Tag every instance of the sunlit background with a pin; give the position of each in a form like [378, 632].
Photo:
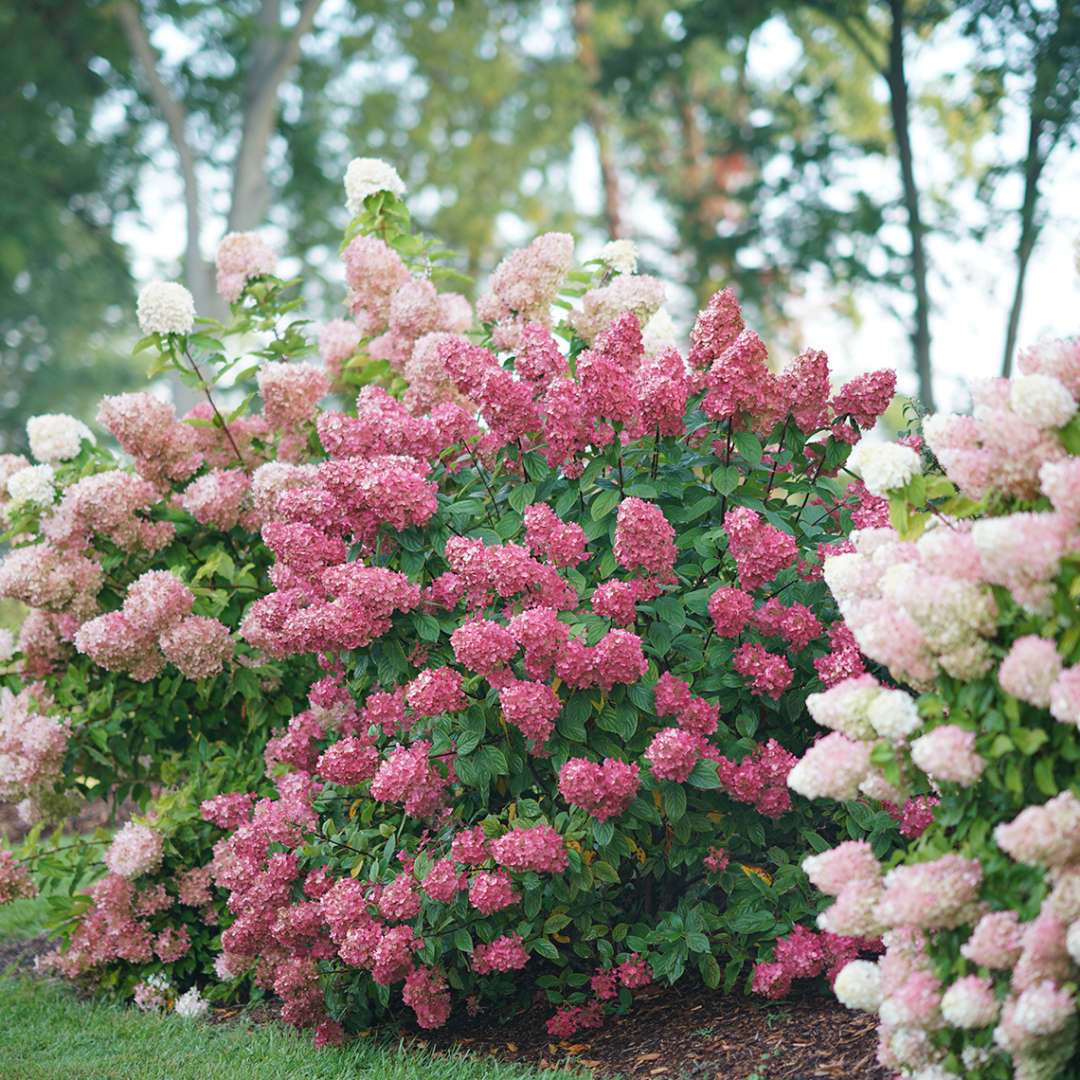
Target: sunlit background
[747, 143]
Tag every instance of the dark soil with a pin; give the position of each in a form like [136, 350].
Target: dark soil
[17, 957]
[697, 1034]
[671, 1033]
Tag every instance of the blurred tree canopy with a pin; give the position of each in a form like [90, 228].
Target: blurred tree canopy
[779, 142]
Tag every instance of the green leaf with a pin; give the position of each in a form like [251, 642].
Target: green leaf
[545, 948]
[604, 871]
[748, 445]
[556, 922]
[674, 801]
[603, 504]
[463, 941]
[704, 775]
[427, 626]
[709, 970]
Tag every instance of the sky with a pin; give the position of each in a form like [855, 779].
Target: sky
[973, 279]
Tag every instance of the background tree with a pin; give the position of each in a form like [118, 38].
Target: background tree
[1035, 46]
[64, 279]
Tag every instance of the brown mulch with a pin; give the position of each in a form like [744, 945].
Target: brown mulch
[676, 1034]
[671, 1033]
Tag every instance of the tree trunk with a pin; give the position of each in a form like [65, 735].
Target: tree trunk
[1029, 231]
[596, 114]
[274, 52]
[197, 272]
[901, 119]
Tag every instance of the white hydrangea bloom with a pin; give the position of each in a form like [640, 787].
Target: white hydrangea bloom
[56, 436]
[165, 307]
[935, 1072]
[365, 176]
[620, 256]
[858, 986]
[658, 333]
[884, 467]
[7, 645]
[893, 715]
[34, 484]
[191, 1005]
[1041, 400]
[1072, 941]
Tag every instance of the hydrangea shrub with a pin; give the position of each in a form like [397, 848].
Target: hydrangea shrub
[543, 632]
[969, 599]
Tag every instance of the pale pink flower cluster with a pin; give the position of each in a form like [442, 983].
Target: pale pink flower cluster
[108, 505]
[1044, 835]
[997, 448]
[135, 850]
[640, 295]
[290, 393]
[908, 609]
[525, 284]
[51, 579]
[32, 745]
[948, 755]
[154, 626]
[241, 257]
[1030, 669]
[164, 449]
[218, 499]
[833, 768]
[940, 894]
[338, 341]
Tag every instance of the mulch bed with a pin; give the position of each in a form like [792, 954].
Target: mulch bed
[676, 1034]
[671, 1033]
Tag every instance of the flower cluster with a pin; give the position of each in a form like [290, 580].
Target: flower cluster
[965, 599]
[527, 614]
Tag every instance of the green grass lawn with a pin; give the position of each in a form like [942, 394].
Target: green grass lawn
[47, 1033]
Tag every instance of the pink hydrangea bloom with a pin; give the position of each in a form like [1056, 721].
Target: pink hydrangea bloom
[644, 540]
[198, 645]
[538, 848]
[768, 673]
[673, 753]
[532, 707]
[1046, 835]
[505, 953]
[15, 881]
[135, 850]
[730, 611]
[941, 894]
[848, 862]
[1030, 669]
[832, 768]
[491, 891]
[435, 691]
[948, 754]
[1065, 696]
[605, 789]
[483, 646]
[348, 761]
[470, 847]
[240, 257]
[444, 881]
[760, 550]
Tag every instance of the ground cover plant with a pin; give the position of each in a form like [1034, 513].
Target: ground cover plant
[969, 599]
[416, 692]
